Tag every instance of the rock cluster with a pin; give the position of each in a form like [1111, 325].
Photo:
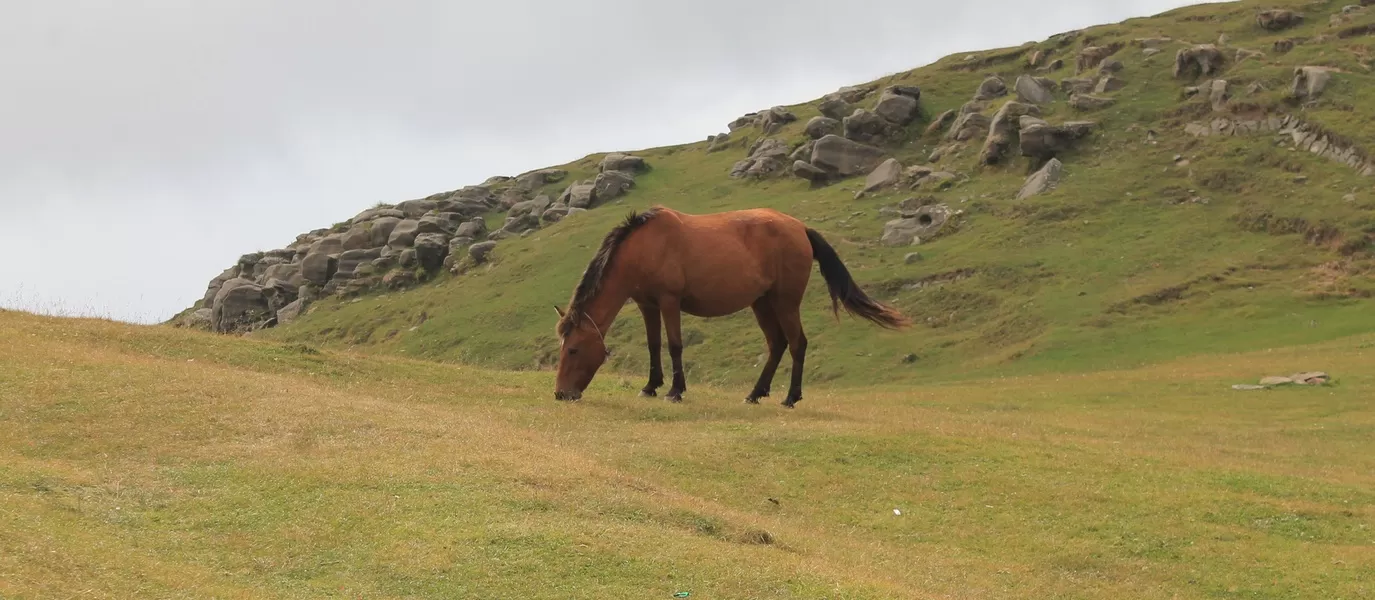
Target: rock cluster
[1303, 135]
[848, 146]
[392, 246]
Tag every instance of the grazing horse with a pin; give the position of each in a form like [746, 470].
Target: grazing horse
[711, 265]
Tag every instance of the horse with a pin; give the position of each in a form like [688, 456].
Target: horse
[710, 265]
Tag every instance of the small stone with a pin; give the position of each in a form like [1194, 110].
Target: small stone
[912, 257]
[1246, 387]
[1276, 381]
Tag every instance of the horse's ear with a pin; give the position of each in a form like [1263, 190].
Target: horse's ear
[558, 310]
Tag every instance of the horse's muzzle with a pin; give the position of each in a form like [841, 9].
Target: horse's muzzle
[568, 396]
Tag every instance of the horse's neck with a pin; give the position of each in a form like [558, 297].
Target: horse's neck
[604, 307]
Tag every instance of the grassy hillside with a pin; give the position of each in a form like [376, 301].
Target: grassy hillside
[154, 463]
[1242, 243]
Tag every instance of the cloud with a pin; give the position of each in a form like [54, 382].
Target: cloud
[146, 144]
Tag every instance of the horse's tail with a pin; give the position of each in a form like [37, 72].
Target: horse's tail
[845, 291]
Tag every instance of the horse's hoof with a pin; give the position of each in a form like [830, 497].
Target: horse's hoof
[751, 400]
[791, 402]
[675, 397]
[648, 394]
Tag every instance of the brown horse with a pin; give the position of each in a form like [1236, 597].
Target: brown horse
[712, 265]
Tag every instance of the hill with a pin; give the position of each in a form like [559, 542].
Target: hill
[153, 462]
[1195, 181]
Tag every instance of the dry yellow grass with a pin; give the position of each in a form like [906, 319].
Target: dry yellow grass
[148, 462]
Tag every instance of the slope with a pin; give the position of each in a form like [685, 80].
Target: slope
[153, 462]
[1156, 243]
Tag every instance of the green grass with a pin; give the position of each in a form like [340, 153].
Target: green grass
[152, 462]
[1113, 269]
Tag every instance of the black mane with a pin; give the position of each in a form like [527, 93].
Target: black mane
[592, 276]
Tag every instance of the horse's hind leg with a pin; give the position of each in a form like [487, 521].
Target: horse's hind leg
[790, 319]
[773, 334]
[652, 339]
[673, 327]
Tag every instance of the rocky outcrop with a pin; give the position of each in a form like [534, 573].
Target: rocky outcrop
[1091, 57]
[990, 89]
[1305, 137]
[770, 121]
[767, 157]
[841, 157]
[915, 226]
[1042, 180]
[1309, 82]
[1032, 90]
[1041, 140]
[1003, 131]
[898, 104]
[240, 305]
[1198, 61]
[626, 163]
[835, 108]
[886, 175]
[820, 127]
[868, 128]
[1278, 19]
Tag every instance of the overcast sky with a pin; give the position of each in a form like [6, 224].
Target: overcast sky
[146, 144]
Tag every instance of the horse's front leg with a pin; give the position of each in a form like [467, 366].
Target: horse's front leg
[652, 339]
[673, 326]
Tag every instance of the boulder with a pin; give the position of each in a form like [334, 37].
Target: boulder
[357, 237]
[201, 318]
[852, 94]
[534, 180]
[406, 259]
[1109, 83]
[381, 231]
[868, 128]
[330, 244]
[1278, 19]
[403, 235]
[377, 213]
[842, 157]
[476, 228]
[717, 143]
[399, 278]
[1149, 52]
[775, 118]
[622, 162]
[481, 251]
[1077, 85]
[991, 88]
[511, 196]
[768, 157]
[318, 268]
[835, 108]
[444, 223]
[1283, 46]
[1043, 180]
[414, 209]
[1110, 66]
[208, 300]
[555, 214]
[534, 207]
[1218, 95]
[897, 108]
[1089, 102]
[279, 294]
[969, 126]
[1202, 60]
[1040, 140]
[291, 312]
[521, 224]
[803, 152]
[1091, 57]
[820, 127]
[348, 263]
[1055, 65]
[913, 227]
[239, 306]
[1309, 82]
[579, 195]
[1002, 130]
[810, 172]
[1031, 91]
[430, 250]
[288, 272]
[940, 123]
[885, 175]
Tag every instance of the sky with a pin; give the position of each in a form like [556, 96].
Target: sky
[146, 144]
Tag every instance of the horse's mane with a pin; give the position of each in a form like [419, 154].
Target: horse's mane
[592, 276]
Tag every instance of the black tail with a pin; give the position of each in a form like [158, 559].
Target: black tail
[845, 291]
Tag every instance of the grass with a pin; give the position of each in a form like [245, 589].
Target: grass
[1114, 269]
[153, 462]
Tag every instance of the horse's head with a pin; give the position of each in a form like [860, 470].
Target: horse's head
[582, 350]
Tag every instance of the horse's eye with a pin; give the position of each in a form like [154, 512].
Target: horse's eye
[573, 351]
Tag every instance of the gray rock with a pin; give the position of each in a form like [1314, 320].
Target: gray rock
[1042, 141]
[318, 268]
[885, 175]
[1202, 60]
[969, 126]
[406, 259]
[767, 157]
[1043, 180]
[1109, 83]
[806, 170]
[476, 228]
[357, 237]
[239, 306]
[803, 152]
[208, 300]
[1218, 95]
[912, 258]
[718, 142]
[1278, 19]
[430, 250]
[609, 186]
[835, 108]
[1031, 91]
[896, 108]
[330, 244]
[868, 128]
[1077, 85]
[534, 180]
[403, 236]
[838, 156]
[922, 224]
[1309, 82]
[288, 272]
[201, 318]
[616, 161]
[481, 251]
[414, 209]
[554, 214]
[1089, 102]
[1110, 66]
[377, 213]
[580, 195]
[381, 230]
[436, 224]
[820, 127]
[1002, 129]
[291, 311]
[991, 88]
